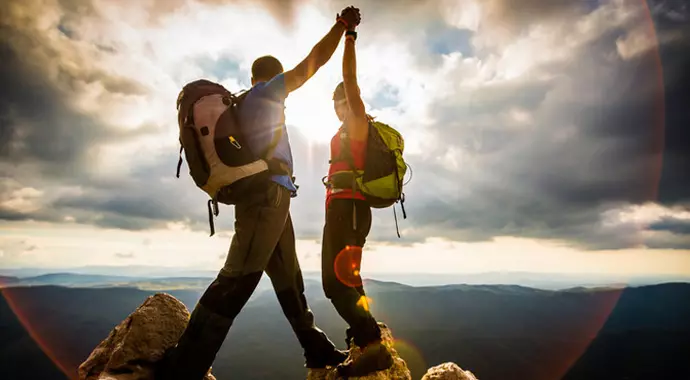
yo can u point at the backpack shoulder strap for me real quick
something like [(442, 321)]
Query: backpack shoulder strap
[(344, 154)]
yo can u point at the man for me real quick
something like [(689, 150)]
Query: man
[(264, 239)]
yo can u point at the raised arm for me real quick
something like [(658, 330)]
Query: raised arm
[(358, 126), (322, 51)]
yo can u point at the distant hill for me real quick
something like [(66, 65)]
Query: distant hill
[(111, 281), (71, 279), (498, 332), (6, 280), (551, 281)]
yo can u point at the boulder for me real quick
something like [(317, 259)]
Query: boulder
[(134, 346), (448, 371)]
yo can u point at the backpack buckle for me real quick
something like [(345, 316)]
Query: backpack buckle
[(234, 142)]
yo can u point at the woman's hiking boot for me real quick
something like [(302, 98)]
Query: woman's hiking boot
[(375, 357)]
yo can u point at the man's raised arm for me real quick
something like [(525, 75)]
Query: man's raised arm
[(322, 51)]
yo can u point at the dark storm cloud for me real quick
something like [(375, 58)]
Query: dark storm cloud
[(149, 197), (43, 139), (669, 241), (594, 144), (134, 205), (673, 225), (36, 125), (675, 180), (41, 133), (37, 122)]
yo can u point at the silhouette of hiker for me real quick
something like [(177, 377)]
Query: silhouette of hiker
[(264, 239), (348, 221)]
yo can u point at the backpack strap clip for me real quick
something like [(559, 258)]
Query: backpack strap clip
[(213, 210), (179, 161)]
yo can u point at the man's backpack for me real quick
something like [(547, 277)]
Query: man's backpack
[(214, 144), (381, 181)]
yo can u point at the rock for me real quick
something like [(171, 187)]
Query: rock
[(131, 349), (398, 371), (448, 371)]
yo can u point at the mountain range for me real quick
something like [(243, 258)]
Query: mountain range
[(553, 281), (498, 332)]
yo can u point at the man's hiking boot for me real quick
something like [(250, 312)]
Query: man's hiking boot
[(375, 357), (333, 359), (319, 351)]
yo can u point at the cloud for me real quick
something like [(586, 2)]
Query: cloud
[(127, 255), (591, 145), (679, 226), (516, 17), (12, 248), (516, 122)]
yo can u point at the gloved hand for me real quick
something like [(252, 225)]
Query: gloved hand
[(350, 16)]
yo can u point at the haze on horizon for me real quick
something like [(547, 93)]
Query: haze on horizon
[(544, 137)]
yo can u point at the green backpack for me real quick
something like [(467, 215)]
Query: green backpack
[(381, 181)]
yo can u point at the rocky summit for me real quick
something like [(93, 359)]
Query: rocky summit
[(132, 349)]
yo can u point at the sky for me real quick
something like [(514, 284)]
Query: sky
[(543, 137)]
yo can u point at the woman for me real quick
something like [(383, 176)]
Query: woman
[(348, 221)]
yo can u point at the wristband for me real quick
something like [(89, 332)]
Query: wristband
[(352, 34), (342, 21)]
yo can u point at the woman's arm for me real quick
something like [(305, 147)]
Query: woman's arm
[(322, 51), (358, 127)]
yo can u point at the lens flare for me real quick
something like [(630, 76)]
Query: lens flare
[(411, 354), (347, 266), (364, 302), (31, 323)]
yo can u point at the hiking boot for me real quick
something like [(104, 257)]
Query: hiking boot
[(333, 359), (375, 357)]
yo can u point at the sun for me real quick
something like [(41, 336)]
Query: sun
[(310, 109)]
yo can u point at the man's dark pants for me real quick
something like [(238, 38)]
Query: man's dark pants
[(341, 284), (264, 240)]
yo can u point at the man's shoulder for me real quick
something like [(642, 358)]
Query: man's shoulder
[(274, 88)]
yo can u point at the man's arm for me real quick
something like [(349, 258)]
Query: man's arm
[(320, 53), (359, 126)]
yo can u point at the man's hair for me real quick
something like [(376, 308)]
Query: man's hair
[(266, 67)]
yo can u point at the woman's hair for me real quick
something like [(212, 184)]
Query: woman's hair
[(339, 94)]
